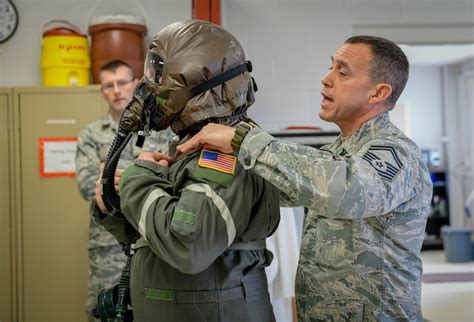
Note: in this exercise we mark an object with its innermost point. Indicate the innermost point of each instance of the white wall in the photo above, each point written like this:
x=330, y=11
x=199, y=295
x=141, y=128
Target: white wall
x=289, y=41
x=422, y=99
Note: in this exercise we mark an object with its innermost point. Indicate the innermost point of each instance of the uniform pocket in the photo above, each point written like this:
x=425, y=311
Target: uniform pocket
x=332, y=242
x=256, y=287
x=185, y=221
x=337, y=310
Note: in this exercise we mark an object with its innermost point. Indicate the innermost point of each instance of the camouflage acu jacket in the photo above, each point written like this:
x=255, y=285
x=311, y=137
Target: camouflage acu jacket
x=367, y=198
x=93, y=144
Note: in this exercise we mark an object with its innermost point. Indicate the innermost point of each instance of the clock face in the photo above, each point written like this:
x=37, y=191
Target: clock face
x=8, y=20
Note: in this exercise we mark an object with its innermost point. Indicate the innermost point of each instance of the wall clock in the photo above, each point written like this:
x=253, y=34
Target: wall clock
x=8, y=20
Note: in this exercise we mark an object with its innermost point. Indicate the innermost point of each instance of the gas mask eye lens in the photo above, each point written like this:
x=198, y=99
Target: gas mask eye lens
x=153, y=67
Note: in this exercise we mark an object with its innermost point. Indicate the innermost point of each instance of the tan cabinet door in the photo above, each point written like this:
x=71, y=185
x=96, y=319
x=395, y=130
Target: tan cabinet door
x=6, y=259
x=54, y=218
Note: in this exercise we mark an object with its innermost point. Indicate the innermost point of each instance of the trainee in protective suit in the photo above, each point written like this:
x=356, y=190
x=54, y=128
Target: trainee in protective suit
x=202, y=221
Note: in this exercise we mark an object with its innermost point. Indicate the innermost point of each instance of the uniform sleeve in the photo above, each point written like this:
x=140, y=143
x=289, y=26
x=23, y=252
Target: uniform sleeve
x=120, y=228
x=191, y=226
x=348, y=187
x=87, y=164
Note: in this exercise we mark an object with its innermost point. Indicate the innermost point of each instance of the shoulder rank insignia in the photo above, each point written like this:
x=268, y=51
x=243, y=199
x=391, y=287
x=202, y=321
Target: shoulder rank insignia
x=218, y=161
x=384, y=160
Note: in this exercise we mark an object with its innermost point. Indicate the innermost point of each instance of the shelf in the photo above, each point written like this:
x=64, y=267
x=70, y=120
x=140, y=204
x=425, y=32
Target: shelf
x=432, y=243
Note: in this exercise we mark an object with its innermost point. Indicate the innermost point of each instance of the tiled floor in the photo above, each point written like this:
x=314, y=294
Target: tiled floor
x=447, y=302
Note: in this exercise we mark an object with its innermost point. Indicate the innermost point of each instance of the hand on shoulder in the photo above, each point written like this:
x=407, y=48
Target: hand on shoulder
x=213, y=137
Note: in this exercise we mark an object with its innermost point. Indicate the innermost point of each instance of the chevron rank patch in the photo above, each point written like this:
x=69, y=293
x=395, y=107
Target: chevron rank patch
x=218, y=161
x=384, y=160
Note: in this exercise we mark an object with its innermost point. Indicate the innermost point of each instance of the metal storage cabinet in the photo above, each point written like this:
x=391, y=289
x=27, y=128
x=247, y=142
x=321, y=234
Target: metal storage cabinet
x=51, y=218
x=6, y=231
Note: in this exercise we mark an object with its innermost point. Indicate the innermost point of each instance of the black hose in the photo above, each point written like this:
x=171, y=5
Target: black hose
x=109, y=195
x=123, y=294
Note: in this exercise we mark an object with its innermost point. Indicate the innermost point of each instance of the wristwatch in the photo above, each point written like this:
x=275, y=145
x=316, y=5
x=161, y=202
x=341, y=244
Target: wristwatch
x=241, y=131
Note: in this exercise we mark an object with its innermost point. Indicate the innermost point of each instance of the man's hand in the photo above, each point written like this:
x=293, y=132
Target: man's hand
x=98, y=187
x=157, y=157
x=212, y=136
x=98, y=195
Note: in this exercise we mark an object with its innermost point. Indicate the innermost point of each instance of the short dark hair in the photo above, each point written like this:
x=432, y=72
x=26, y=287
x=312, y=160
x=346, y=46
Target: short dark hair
x=389, y=65
x=114, y=64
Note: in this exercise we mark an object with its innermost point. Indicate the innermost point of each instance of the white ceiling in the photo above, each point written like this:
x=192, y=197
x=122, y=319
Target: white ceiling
x=437, y=55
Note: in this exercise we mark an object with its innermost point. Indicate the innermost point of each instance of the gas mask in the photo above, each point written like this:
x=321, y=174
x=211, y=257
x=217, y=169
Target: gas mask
x=143, y=113
x=195, y=72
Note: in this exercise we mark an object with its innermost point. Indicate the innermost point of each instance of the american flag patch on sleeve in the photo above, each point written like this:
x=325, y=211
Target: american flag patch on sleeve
x=218, y=161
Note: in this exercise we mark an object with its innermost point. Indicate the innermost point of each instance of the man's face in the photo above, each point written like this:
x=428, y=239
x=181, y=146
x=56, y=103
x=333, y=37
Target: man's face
x=117, y=88
x=347, y=85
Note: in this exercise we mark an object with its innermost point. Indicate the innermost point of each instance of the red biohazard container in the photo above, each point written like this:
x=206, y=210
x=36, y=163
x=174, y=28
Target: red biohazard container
x=117, y=37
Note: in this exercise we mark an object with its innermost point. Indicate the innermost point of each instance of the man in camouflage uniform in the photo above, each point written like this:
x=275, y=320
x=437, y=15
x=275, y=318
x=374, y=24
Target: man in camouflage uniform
x=367, y=195
x=106, y=258
x=203, y=220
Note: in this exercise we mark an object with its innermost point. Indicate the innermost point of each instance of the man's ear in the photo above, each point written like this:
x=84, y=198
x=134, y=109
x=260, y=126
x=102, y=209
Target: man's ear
x=382, y=93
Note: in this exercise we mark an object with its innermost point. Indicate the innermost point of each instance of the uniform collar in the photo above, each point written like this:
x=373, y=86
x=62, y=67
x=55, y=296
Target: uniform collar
x=372, y=126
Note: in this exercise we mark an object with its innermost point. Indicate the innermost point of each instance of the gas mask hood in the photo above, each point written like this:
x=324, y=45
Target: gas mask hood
x=199, y=72
x=194, y=72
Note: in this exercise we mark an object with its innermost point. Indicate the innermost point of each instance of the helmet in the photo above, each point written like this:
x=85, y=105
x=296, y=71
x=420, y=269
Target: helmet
x=198, y=73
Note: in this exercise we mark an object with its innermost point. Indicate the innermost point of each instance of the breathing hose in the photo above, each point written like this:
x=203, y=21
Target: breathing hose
x=109, y=195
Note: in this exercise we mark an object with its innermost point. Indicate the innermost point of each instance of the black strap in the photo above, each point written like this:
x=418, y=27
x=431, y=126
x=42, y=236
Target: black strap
x=141, y=126
x=222, y=78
